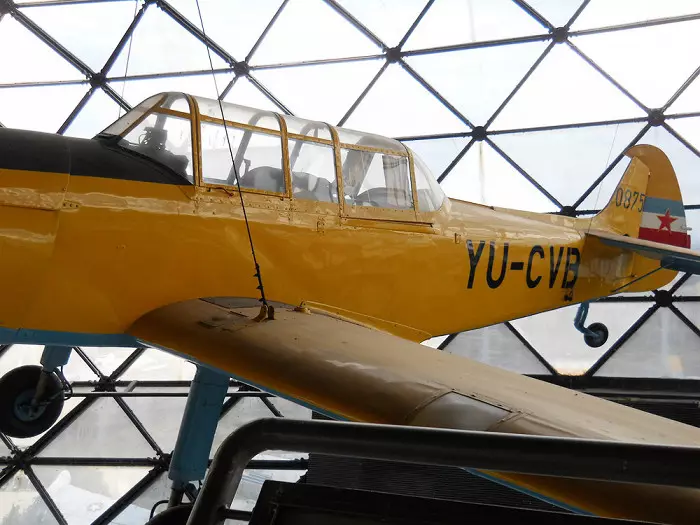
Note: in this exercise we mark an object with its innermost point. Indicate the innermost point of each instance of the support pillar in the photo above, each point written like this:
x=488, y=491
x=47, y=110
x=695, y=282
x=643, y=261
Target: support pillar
x=199, y=421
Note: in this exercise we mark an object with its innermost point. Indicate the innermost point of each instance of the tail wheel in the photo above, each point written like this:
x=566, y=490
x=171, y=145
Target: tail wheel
x=597, y=336
x=20, y=416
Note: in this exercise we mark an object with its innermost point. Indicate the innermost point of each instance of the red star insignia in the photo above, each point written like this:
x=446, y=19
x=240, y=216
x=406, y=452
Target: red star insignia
x=666, y=221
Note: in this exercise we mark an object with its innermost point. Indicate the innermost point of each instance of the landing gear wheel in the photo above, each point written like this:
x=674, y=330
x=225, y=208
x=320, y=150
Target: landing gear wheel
x=599, y=336
x=173, y=516
x=19, y=418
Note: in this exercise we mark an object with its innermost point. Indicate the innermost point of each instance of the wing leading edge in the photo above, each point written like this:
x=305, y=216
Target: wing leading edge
x=357, y=373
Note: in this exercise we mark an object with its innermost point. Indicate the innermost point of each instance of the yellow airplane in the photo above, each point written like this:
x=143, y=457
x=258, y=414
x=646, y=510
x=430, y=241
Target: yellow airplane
x=311, y=260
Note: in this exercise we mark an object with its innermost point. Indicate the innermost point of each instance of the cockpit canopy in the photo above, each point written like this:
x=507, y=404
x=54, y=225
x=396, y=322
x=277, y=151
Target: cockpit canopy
x=266, y=152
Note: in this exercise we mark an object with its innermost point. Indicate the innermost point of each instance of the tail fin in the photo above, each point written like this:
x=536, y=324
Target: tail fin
x=647, y=204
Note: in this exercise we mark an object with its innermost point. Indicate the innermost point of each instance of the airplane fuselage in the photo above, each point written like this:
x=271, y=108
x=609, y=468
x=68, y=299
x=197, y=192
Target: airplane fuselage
x=87, y=250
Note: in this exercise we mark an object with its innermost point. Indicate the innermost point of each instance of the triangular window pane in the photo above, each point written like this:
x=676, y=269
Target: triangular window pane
x=323, y=92
x=496, y=346
x=83, y=494
x=233, y=24
x=685, y=163
x=601, y=194
x=39, y=108
x=160, y=415
x=483, y=176
x=455, y=22
x=662, y=347
x=437, y=154
x=601, y=13
x=556, y=12
x=564, y=89
x=245, y=93
x=90, y=31
x=311, y=30
x=688, y=101
x=389, y=19
x=139, y=510
x=21, y=503
x=689, y=129
x=155, y=365
x=107, y=359
x=690, y=288
x=477, y=81
x=136, y=91
x=99, y=112
x=667, y=50
x=245, y=410
x=691, y=310
x=567, y=161
x=160, y=45
x=547, y=330
x=30, y=60
x=398, y=106
x=103, y=430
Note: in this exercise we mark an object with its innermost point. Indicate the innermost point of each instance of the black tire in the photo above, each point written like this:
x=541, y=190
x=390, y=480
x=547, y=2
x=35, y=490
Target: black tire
x=600, y=337
x=19, y=385
x=173, y=516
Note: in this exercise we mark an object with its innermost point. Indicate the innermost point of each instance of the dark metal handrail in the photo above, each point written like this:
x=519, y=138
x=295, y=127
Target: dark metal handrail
x=547, y=456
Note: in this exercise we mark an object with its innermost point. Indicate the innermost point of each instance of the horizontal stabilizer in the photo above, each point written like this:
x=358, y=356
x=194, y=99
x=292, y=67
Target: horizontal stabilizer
x=671, y=257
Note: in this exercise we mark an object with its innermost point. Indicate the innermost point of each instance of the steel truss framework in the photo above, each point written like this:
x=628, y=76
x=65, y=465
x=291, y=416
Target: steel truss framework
x=670, y=311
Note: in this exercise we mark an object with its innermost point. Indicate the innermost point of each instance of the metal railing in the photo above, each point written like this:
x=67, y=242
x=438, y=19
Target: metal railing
x=547, y=456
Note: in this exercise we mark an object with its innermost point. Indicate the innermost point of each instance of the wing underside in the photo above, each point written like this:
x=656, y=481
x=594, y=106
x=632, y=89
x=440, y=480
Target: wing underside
x=353, y=372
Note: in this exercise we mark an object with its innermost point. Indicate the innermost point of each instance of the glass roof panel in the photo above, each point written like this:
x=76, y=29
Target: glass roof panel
x=159, y=44
x=556, y=12
x=245, y=410
x=567, y=161
x=83, y=494
x=99, y=112
x=50, y=106
x=438, y=153
x=477, y=81
x=103, y=430
x=311, y=30
x=322, y=92
x=601, y=194
x=662, y=347
x=455, y=22
x=434, y=342
x=75, y=25
x=601, y=13
x=630, y=56
x=245, y=93
x=21, y=503
x=139, y=510
x=398, y=106
x=496, y=346
x=107, y=359
x=161, y=416
x=30, y=60
x=690, y=288
x=134, y=91
x=375, y=15
x=689, y=129
x=547, y=331
x=687, y=102
x=564, y=89
x=233, y=24
x=483, y=176
x=154, y=364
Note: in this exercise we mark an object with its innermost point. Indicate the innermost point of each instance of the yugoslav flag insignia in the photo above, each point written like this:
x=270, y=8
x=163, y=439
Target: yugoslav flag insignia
x=663, y=220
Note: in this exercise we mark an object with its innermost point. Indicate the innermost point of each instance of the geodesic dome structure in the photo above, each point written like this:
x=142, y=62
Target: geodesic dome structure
x=522, y=104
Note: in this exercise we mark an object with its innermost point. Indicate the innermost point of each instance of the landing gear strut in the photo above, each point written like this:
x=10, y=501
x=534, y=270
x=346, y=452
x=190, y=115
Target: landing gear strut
x=596, y=334
x=31, y=397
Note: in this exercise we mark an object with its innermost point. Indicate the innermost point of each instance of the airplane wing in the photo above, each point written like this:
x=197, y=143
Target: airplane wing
x=354, y=372
x=671, y=257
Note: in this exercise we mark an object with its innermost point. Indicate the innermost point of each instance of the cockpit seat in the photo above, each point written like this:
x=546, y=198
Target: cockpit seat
x=264, y=178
